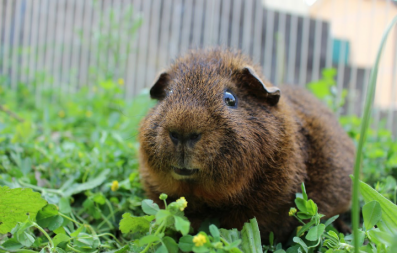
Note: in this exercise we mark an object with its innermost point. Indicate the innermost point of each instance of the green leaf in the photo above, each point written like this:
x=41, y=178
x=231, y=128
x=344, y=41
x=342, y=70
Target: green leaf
x=23, y=235
x=47, y=211
x=380, y=237
x=25, y=239
x=315, y=232
x=77, y=232
x=91, y=208
x=51, y=223
x=215, y=232
x=372, y=212
x=60, y=238
x=162, y=249
x=330, y=220
x=271, y=238
x=12, y=244
x=304, y=216
x=301, y=204
x=171, y=245
x=131, y=224
x=26, y=165
x=64, y=205
x=149, y=207
x=301, y=243
x=99, y=198
x=16, y=205
x=230, y=235
x=233, y=245
x=182, y=225
x=90, y=184
x=251, y=237
x=389, y=210
x=148, y=239
x=304, y=194
x=162, y=215
x=186, y=243
x=311, y=207
x=123, y=249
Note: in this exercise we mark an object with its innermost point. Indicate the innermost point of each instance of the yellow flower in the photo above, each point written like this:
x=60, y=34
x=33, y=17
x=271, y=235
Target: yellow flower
x=182, y=203
x=292, y=211
x=199, y=240
x=50, y=146
x=88, y=114
x=121, y=81
x=115, y=185
x=80, y=155
x=61, y=114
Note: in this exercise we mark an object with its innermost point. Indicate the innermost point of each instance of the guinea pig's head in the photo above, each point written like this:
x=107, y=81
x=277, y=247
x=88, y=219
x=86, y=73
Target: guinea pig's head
x=213, y=128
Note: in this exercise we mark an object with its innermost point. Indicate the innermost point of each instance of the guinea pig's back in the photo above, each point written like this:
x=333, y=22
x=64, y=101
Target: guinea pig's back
x=330, y=151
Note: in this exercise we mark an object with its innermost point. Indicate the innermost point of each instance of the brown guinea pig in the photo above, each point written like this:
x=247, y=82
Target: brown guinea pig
x=236, y=147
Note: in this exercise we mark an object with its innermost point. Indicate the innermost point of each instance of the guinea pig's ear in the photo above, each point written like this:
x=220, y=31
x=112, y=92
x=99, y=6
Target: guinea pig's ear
x=257, y=86
x=158, y=90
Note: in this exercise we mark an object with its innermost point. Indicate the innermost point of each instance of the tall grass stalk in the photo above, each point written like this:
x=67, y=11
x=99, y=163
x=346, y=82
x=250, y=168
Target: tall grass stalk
x=363, y=130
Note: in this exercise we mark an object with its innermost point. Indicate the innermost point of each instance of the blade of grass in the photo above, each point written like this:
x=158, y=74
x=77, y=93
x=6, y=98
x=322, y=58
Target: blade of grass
x=363, y=130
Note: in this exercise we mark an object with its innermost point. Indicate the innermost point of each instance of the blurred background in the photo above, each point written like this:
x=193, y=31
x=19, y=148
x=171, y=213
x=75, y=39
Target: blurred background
x=70, y=44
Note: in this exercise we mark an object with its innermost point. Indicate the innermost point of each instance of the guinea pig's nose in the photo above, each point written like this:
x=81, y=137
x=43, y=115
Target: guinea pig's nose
x=190, y=138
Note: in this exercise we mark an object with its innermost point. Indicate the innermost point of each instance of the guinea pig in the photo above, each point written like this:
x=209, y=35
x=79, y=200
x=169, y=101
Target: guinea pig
x=237, y=147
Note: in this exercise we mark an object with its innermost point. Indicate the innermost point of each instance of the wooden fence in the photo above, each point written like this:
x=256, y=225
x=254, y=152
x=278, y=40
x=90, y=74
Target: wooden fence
x=68, y=44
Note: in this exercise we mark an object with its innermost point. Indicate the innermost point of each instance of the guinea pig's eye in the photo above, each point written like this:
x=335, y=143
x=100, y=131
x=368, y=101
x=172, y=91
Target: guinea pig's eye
x=229, y=99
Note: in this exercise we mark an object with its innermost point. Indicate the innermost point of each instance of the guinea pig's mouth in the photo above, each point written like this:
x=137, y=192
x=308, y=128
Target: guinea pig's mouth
x=184, y=171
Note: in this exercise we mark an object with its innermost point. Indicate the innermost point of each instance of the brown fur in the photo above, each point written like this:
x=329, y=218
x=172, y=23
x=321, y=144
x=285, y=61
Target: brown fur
x=252, y=159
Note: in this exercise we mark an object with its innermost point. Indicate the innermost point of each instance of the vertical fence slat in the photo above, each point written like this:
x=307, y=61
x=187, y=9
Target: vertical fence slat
x=269, y=43
x=51, y=20
x=16, y=43
x=85, y=39
x=153, y=43
x=258, y=29
x=131, y=63
x=7, y=39
x=2, y=17
x=316, y=50
x=40, y=46
x=186, y=26
x=291, y=68
x=247, y=24
x=197, y=23
x=235, y=36
x=304, y=51
x=224, y=23
x=280, y=49
x=175, y=28
x=33, y=45
x=77, y=32
x=24, y=65
x=142, y=48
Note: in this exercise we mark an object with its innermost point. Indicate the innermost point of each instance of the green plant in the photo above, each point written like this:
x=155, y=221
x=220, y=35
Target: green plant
x=363, y=130
x=326, y=90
